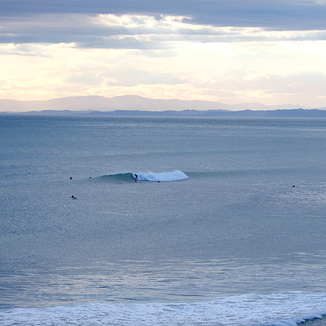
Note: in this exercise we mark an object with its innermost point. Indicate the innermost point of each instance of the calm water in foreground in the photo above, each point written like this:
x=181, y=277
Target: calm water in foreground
x=233, y=234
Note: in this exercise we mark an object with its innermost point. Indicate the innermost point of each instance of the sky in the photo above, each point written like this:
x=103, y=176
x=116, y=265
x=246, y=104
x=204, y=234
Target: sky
x=235, y=51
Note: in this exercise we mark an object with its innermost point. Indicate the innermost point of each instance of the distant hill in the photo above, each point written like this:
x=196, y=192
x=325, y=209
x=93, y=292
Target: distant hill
x=127, y=102
x=132, y=105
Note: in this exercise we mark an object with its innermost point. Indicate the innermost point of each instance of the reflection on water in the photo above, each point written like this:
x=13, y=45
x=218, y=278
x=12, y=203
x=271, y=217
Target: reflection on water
x=168, y=281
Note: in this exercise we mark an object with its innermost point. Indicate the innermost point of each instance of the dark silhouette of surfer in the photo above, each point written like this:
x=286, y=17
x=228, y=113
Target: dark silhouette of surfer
x=136, y=177
x=73, y=197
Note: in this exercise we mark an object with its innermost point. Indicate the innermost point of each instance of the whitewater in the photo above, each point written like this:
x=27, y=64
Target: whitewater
x=239, y=310
x=176, y=175
x=177, y=221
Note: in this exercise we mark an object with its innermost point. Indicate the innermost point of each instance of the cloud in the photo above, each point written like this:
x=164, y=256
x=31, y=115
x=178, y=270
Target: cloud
x=22, y=50
x=134, y=31
x=232, y=51
x=131, y=77
x=121, y=74
x=275, y=15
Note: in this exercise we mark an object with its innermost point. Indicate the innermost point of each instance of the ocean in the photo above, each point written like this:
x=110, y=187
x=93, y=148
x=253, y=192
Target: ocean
x=162, y=221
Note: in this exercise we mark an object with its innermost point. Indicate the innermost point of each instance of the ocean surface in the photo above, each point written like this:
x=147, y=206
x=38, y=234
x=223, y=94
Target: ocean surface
x=162, y=221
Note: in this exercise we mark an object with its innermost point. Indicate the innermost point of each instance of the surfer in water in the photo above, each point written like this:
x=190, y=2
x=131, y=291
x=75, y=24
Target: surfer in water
x=136, y=177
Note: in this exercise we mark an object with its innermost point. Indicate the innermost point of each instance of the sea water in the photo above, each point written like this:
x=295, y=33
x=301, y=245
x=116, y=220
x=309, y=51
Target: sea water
x=224, y=224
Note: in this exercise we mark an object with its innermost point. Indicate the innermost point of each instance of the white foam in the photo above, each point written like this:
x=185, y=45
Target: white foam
x=176, y=175
x=288, y=308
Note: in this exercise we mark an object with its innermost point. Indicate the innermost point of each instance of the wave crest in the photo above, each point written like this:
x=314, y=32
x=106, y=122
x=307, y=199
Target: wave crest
x=176, y=175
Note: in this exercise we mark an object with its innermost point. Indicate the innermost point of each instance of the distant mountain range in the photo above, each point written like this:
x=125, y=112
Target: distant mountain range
x=132, y=105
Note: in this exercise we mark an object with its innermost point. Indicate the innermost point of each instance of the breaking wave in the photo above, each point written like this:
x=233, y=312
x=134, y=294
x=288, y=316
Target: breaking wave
x=278, y=309
x=176, y=175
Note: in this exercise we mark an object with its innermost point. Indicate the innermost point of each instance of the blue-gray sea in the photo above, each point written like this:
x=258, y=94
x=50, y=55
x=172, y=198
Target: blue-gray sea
x=224, y=224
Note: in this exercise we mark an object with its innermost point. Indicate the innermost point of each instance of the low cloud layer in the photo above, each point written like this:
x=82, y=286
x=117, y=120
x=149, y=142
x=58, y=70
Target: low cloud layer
x=134, y=31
